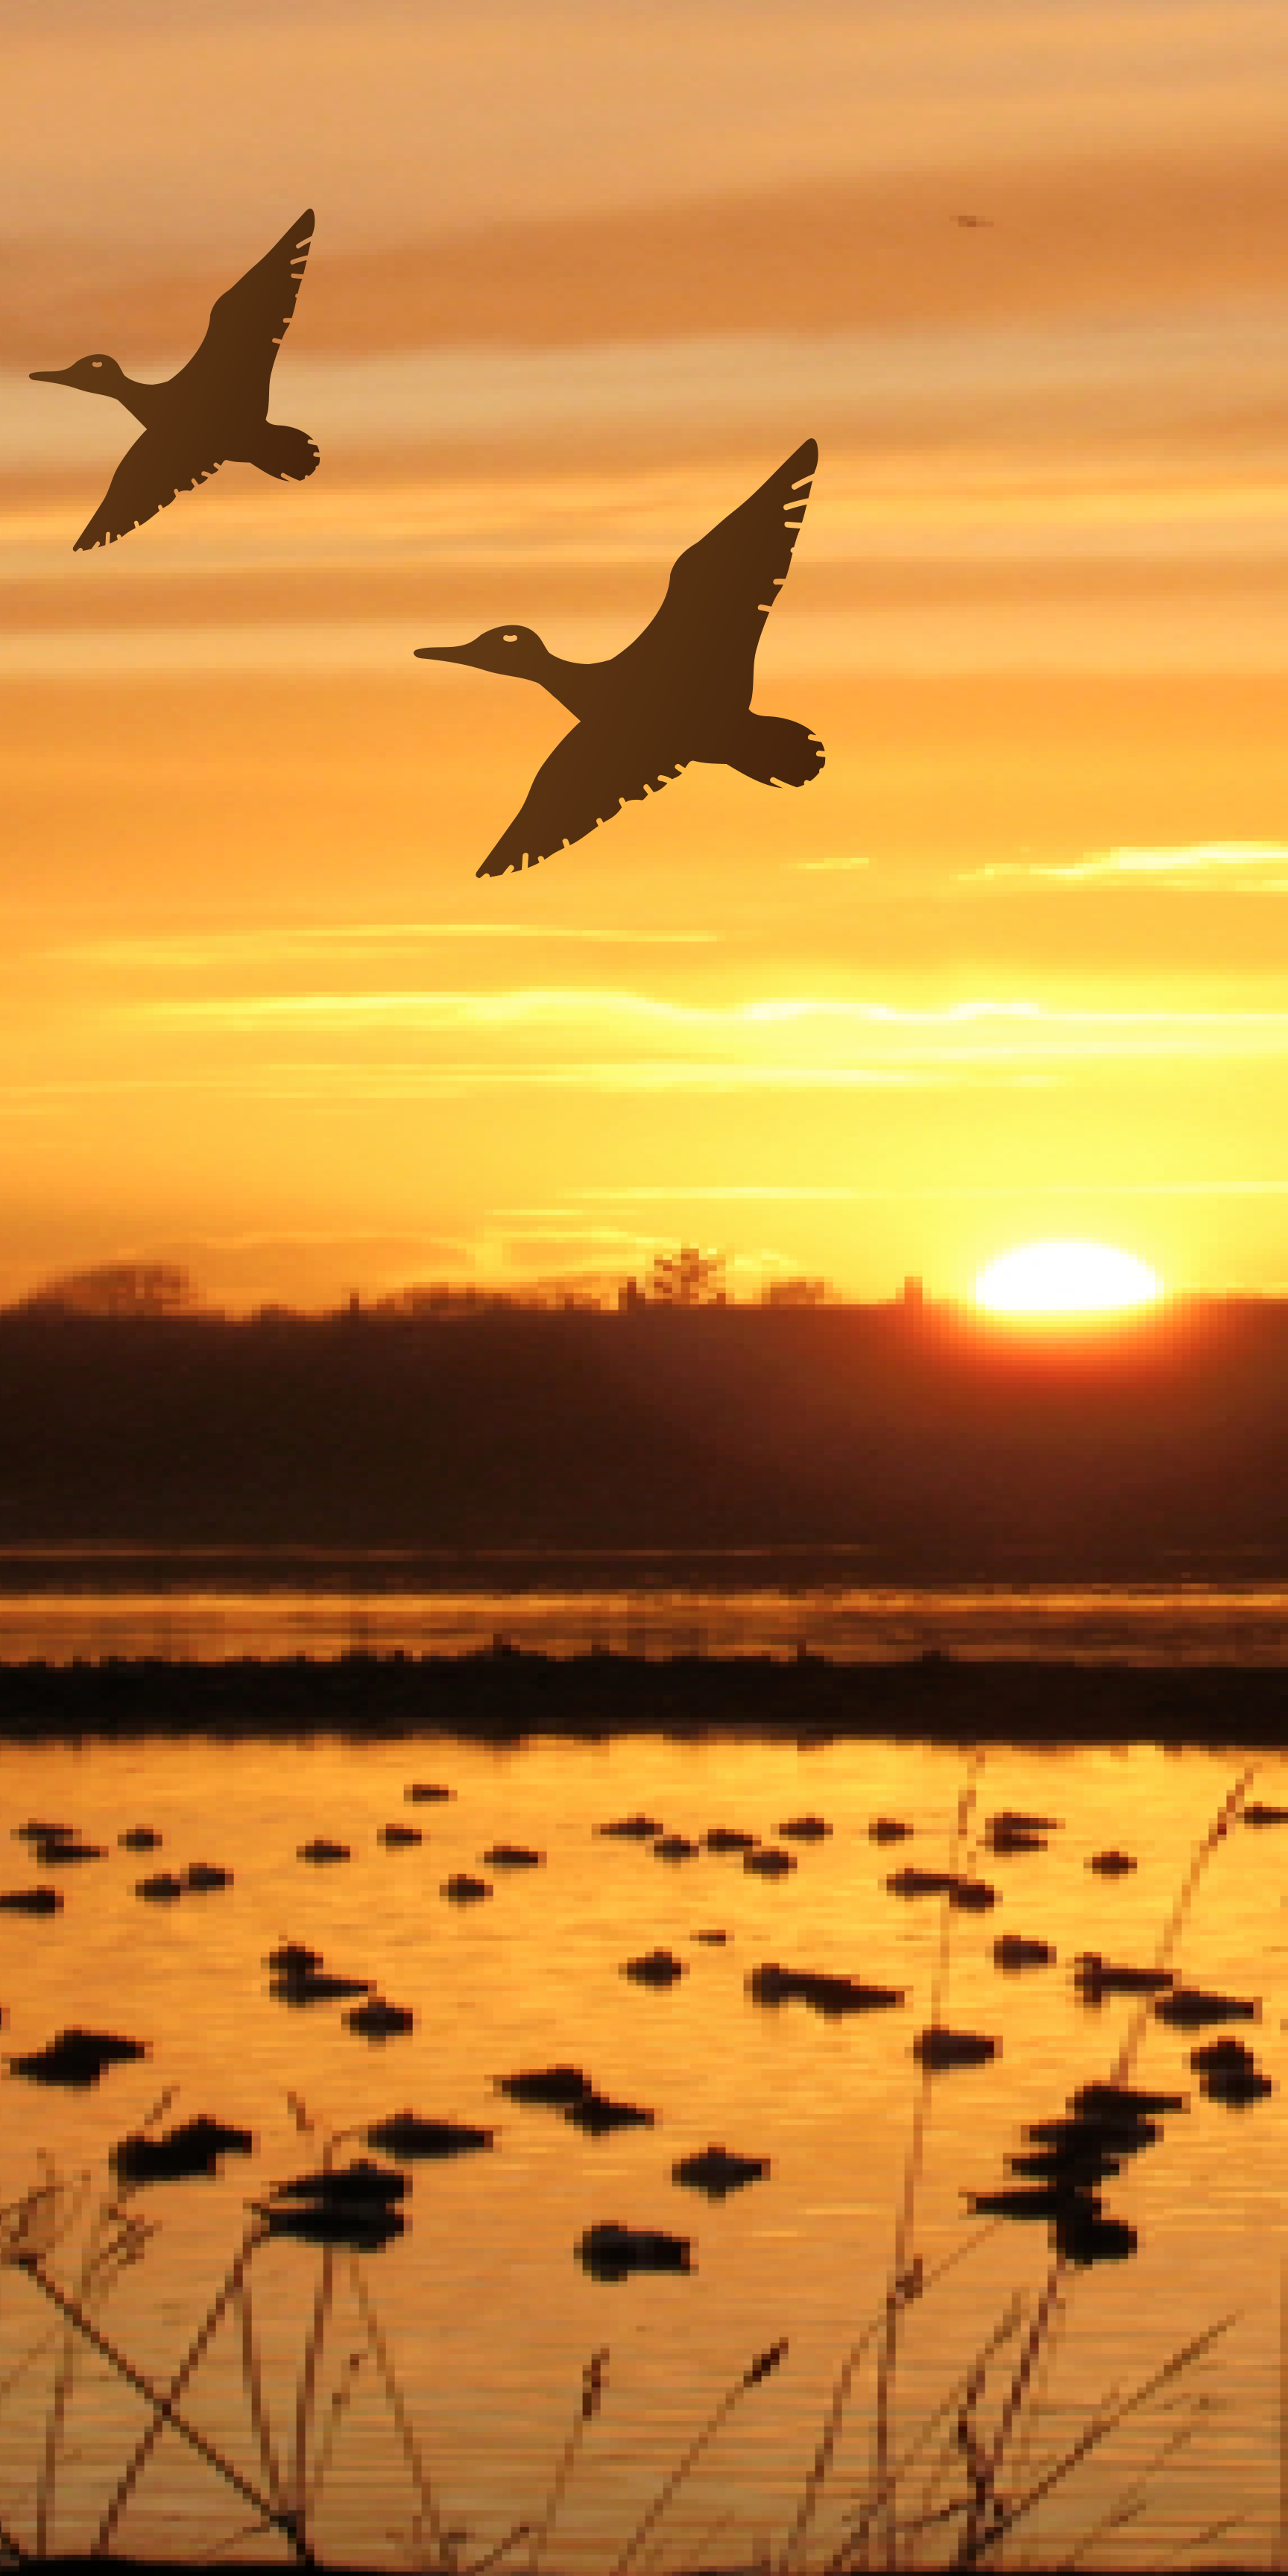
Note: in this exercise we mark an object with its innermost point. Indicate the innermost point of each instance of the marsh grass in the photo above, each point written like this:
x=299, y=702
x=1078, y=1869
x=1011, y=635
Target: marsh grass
x=952, y=2489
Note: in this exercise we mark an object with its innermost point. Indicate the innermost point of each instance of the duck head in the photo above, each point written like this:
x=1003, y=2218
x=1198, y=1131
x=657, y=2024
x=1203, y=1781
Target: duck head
x=515, y=649
x=93, y=375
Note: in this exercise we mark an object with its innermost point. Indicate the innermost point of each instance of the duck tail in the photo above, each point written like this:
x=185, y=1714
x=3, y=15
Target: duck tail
x=776, y=751
x=288, y=453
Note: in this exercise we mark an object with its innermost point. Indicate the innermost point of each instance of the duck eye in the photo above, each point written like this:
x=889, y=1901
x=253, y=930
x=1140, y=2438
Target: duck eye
x=509, y=639
x=96, y=362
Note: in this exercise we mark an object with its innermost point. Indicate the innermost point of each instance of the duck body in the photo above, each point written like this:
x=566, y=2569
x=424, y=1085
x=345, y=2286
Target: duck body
x=214, y=411
x=680, y=691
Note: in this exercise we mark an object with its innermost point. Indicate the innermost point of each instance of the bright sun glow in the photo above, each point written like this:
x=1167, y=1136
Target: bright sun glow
x=1066, y=1279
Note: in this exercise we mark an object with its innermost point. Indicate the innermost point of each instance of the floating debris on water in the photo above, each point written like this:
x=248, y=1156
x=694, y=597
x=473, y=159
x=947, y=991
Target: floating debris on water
x=729, y=1838
x=405, y=2135
x=656, y=1968
x=716, y=2172
x=804, y=1829
x=631, y=1829
x=1015, y=1950
x=513, y=1856
x=940, y=2049
x=350, y=2205
x=609, y=2252
x=77, y=2057
x=399, y=1837
x=376, y=2019
x=181, y=2154
x=461, y=1889
x=1111, y=1864
x=31, y=1900
x=769, y=1863
x=827, y=1994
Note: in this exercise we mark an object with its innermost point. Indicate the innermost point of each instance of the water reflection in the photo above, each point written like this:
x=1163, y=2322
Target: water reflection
x=485, y=2309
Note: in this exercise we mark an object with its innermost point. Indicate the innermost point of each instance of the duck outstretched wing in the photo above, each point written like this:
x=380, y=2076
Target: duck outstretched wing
x=588, y=777
x=249, y=322
x=721, y=590
x=147, y=479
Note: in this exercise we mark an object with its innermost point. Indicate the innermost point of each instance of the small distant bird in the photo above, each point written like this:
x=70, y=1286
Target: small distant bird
x=215, y=411
x=680, y=692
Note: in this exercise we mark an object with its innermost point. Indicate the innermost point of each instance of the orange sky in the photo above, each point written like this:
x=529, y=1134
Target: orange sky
x=581, y=276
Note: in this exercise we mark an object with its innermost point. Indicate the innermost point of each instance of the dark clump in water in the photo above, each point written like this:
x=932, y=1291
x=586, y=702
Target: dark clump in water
x=321, y=1850
x=32, y=1900
x=609, y=2252
x=631, y=1829
x=1070, y=2158
x=349, y=2205
x=461, y=1889
x=139, y=1838
x=1095, y=1977
x=941, y=2049
x=182, y=2154
x=77, y=2057
x=406, y=2136
x=1259, y=1813
x=656, y=1968
x=512, y=1856
x=423, y=1793
x=597, y=2115
x=1111, y=1864
x=554, y=2087
x=888, y=1829
x=804, y=1829
x=675, y=1847
x=162, y=1888
x=770, y=1863
x=376, y=2019
x=1013, y=1951
x=729, y=1838
x=830, y=1995
x=399, y=1837
x=297, y=1975
x=1190, y=2007
x=968, y=1895
x=1228, y=2072
x=203, y=1875
x=716, y=2172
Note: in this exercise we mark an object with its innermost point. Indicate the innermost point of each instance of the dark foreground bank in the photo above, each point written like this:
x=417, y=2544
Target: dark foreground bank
x=502, y=1695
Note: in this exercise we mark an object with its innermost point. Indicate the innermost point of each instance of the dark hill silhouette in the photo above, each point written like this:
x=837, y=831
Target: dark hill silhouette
x=216, y=408
x=933, y=1447
x=680, y=692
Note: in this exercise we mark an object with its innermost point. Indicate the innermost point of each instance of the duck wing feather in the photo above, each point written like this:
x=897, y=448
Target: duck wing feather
x=722, y=588
x=588, y=777
x=148, y=478
x=249, y=322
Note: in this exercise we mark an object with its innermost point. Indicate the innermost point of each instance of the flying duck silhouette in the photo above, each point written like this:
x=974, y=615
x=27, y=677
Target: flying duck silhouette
x=215, y=410
x=680, y=692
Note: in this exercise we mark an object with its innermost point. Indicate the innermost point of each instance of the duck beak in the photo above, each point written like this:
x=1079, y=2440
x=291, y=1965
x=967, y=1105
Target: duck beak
x=51, y=375
x=442, y=652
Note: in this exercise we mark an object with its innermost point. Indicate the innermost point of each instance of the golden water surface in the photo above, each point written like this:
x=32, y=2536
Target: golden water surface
x=487, y=2316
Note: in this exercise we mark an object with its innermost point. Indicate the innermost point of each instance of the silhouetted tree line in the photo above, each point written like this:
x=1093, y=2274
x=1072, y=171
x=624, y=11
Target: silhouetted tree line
x=932, y=1446
x=135, y=1291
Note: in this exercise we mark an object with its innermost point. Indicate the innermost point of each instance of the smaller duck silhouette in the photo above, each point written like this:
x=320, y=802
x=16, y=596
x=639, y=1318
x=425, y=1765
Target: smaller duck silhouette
x=680, y=692
x=215, y=411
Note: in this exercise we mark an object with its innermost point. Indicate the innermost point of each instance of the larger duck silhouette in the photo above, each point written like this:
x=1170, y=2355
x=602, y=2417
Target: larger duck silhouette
x=680, y=692
x=215, y=411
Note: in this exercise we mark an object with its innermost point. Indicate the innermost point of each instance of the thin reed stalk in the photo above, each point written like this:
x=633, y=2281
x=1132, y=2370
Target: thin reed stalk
x=93, y=2276
x=135, y=2378
x=759, y=2369
x=902, y=2268
x=149, y=2438
x=306, y=2389
x=494, y=2556
x=592, y=2398
x=831, y=2430
x=253, y=2377
x=976, y=2538
x=1131, y=2503
x=1098, y=2430
x=427, y=2506
x=341, y=2395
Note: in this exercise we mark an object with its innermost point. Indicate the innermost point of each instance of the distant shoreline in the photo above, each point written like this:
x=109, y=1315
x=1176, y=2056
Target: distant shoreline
x=504, y=1696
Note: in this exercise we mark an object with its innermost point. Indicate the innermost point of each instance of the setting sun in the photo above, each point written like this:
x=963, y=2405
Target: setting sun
x=1066, y=1279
